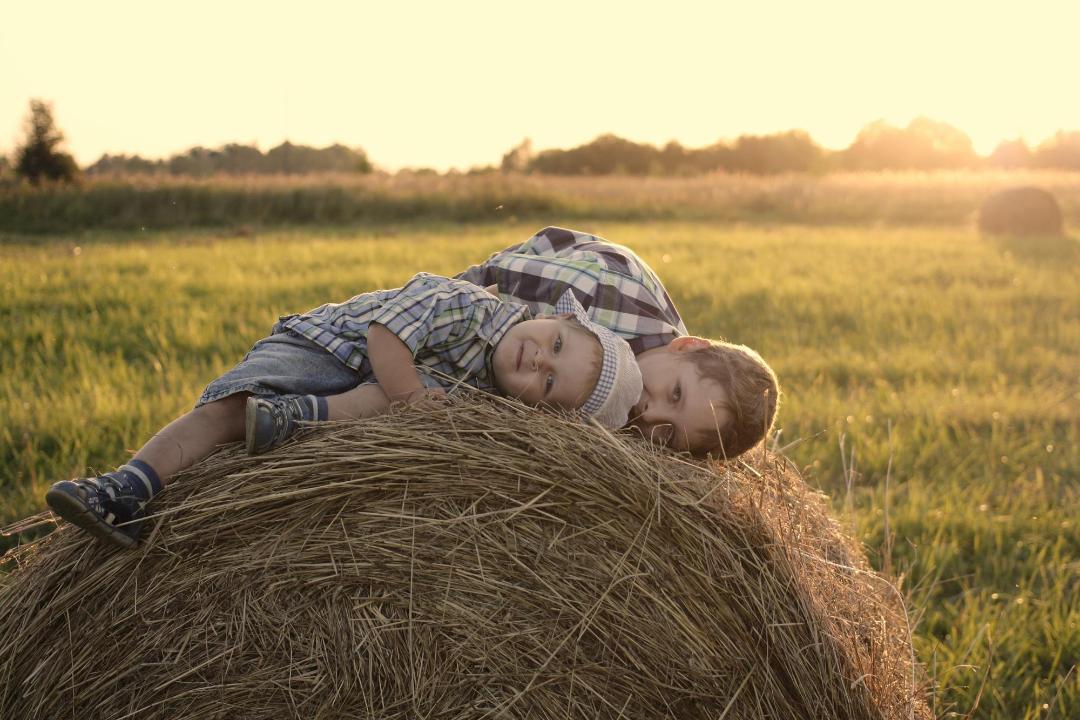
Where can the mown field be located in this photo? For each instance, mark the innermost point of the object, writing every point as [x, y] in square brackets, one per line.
[931, 378]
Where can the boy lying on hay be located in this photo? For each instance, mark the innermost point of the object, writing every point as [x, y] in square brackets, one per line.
[480, 559]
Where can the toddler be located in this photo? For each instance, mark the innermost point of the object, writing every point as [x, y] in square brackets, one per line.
[353, 359]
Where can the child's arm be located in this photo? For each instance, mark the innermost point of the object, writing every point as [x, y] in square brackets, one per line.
[392, 362]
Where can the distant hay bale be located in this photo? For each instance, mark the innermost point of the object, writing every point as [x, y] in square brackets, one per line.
[1021, 212]
[478, 561]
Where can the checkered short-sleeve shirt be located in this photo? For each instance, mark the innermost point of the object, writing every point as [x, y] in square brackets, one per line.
[451, 326]
[617, 288]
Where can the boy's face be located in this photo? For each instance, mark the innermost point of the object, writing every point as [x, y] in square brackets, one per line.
[678, 407]
[546, 361]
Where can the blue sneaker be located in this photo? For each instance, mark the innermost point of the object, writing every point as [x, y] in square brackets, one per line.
[270, 420]
[101, 506]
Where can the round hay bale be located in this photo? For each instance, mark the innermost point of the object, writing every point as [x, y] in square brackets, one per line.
[482, 560]
[1021, 212]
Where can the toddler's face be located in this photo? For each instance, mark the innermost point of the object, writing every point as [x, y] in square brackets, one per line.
[547, 361]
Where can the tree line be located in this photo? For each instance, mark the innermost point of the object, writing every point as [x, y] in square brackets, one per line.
[236, 159]
[924, 144]
[39, 158]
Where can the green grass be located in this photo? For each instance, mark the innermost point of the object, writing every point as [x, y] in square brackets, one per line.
[952, 358]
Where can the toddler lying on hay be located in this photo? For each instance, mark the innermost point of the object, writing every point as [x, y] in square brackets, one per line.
[479, 560]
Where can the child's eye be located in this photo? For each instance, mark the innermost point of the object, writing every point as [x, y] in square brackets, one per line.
[558, 344]
[549, 383]
[676, 394]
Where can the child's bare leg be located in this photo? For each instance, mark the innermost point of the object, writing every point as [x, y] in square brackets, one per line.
[194, 435]
[363, 401]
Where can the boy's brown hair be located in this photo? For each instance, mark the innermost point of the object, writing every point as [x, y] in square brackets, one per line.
[752, 390]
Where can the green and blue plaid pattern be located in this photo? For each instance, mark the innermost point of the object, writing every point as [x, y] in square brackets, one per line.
[451, 326]
[617, 288]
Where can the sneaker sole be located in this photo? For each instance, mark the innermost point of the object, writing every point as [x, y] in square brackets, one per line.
[76, 513]
[249, 425]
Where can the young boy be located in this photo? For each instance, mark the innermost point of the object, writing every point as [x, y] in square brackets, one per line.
[415, 341]
[702, 396]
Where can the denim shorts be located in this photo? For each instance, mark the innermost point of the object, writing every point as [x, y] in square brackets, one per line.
[284, 364]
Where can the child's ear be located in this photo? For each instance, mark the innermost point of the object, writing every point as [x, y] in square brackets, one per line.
[686, 343]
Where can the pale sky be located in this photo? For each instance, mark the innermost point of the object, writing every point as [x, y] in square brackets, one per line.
[457, 84]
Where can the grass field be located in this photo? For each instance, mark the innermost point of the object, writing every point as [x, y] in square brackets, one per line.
[932, 386]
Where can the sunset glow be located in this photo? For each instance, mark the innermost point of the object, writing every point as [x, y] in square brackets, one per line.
[456, 85]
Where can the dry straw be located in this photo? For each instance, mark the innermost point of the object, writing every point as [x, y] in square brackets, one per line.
[480, 560]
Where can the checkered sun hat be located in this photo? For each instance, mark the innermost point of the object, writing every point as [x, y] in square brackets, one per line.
[619, 385]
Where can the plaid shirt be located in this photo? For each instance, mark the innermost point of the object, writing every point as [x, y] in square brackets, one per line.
[616, 288]
[450, 326]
